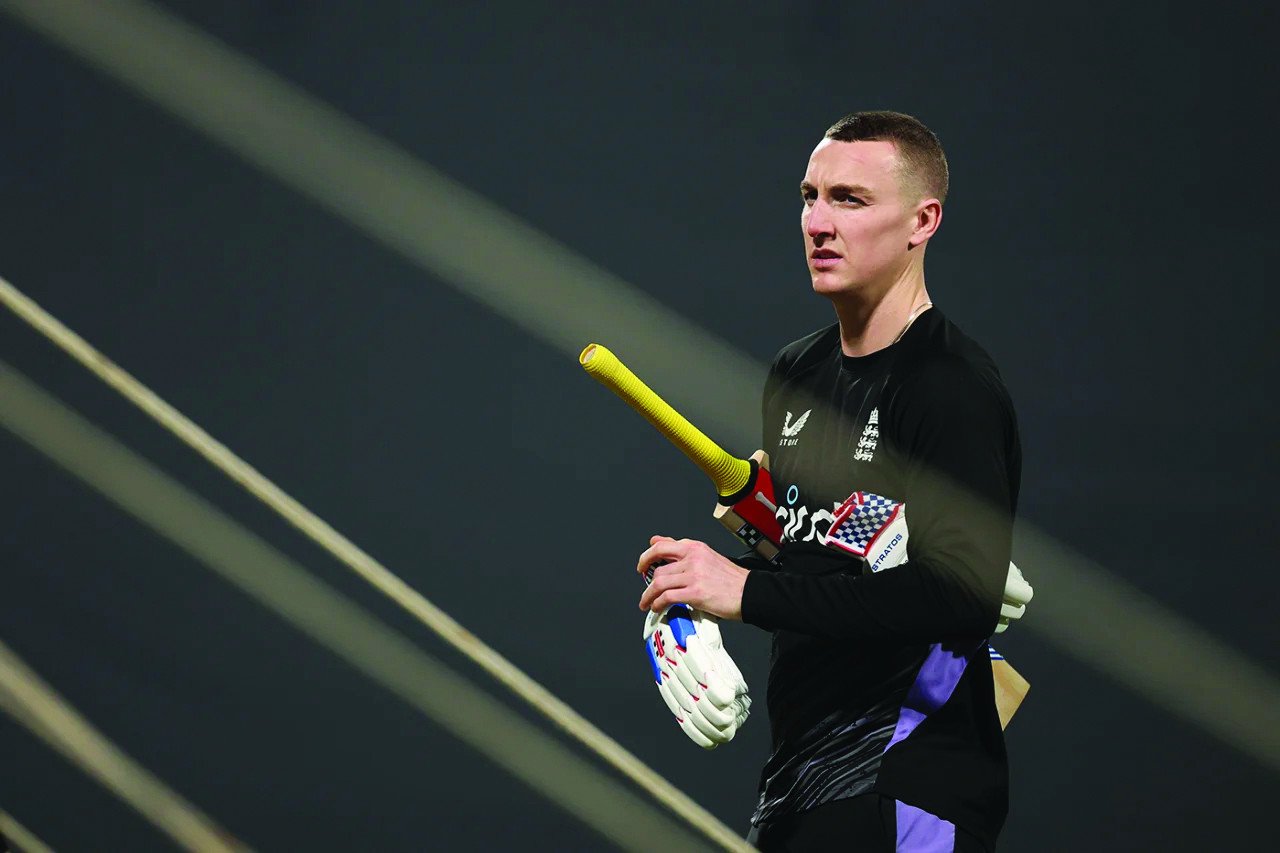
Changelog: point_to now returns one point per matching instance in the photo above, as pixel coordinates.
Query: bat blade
(1011, 689)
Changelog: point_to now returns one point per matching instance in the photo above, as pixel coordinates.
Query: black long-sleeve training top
(881, 682)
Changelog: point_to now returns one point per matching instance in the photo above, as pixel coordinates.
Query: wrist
(756, 596)
(740, 586)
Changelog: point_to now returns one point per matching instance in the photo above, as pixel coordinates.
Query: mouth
(824, 259)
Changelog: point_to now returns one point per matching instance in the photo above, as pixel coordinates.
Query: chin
(826, 284)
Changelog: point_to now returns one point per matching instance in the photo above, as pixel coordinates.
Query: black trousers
(863, 824)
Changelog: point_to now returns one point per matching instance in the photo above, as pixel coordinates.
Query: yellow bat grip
(728, 472)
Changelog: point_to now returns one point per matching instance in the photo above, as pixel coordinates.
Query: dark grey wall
(1107, 240)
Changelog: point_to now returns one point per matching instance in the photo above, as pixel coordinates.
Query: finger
(673, 704)
(704, 717)
(696, 735)
(713, 688)
(702, 724)
(719, 723)
(727, 733)
(668, 663)
(651, 623)
(666, 549)
(720, 717)
(680, 669)
(719, 691)
(652, 591)
(652, 569)
(678, 593)
(664, 568)
(1009, 611)
(1020, 593)
(709, 631)
(687, 703)
(726, 667)
(659, 587)
(648, 557)
(1016, 588)
(696, 659)
(724, 681)
(654, 539)
(724, 734)
(702, 732)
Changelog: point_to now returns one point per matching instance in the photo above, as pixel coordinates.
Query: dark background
(1106, 240)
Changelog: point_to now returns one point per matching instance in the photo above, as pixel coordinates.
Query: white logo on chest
(790, 431)
(870, 435)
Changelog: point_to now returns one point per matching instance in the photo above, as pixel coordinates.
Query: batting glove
(1017, 592)
(698, 680)
(875, 528)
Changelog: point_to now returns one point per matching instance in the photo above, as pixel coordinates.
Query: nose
(817, 222)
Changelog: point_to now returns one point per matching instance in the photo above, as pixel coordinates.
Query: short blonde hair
(921, 161)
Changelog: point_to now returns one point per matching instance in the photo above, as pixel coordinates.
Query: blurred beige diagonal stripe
(47, 715)
(377, 575)
(531, 280)
(333, 621)
(542, 286)
(17, 834)
(1111, 625)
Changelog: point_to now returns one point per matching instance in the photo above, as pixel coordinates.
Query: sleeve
(959, 442)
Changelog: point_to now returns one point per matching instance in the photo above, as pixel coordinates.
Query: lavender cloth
(921, 832)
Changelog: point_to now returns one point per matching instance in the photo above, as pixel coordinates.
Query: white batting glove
(700, 683)
(1017, 592)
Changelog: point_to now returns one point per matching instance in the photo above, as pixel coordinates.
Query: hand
(1017, 592)
(693, 574)
(697, 679)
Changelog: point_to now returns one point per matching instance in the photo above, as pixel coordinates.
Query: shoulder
(806, 353)
(947, 374)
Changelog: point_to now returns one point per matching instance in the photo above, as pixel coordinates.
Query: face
(857, 227)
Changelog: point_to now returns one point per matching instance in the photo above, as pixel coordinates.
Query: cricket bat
(746, 504)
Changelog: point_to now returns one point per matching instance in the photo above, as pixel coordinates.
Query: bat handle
(725, 470)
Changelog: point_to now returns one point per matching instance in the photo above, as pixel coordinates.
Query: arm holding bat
(696, 574)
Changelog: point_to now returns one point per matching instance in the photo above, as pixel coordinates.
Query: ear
(928, 217)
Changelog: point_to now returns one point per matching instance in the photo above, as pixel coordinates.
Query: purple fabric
(921, 832)
(938, 677)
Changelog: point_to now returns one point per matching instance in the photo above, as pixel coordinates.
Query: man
(880, 697)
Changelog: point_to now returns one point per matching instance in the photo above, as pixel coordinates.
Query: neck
(871, 322)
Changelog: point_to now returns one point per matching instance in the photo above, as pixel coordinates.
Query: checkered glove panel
(870, 526)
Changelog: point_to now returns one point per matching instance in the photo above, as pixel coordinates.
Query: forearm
(919, 601)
